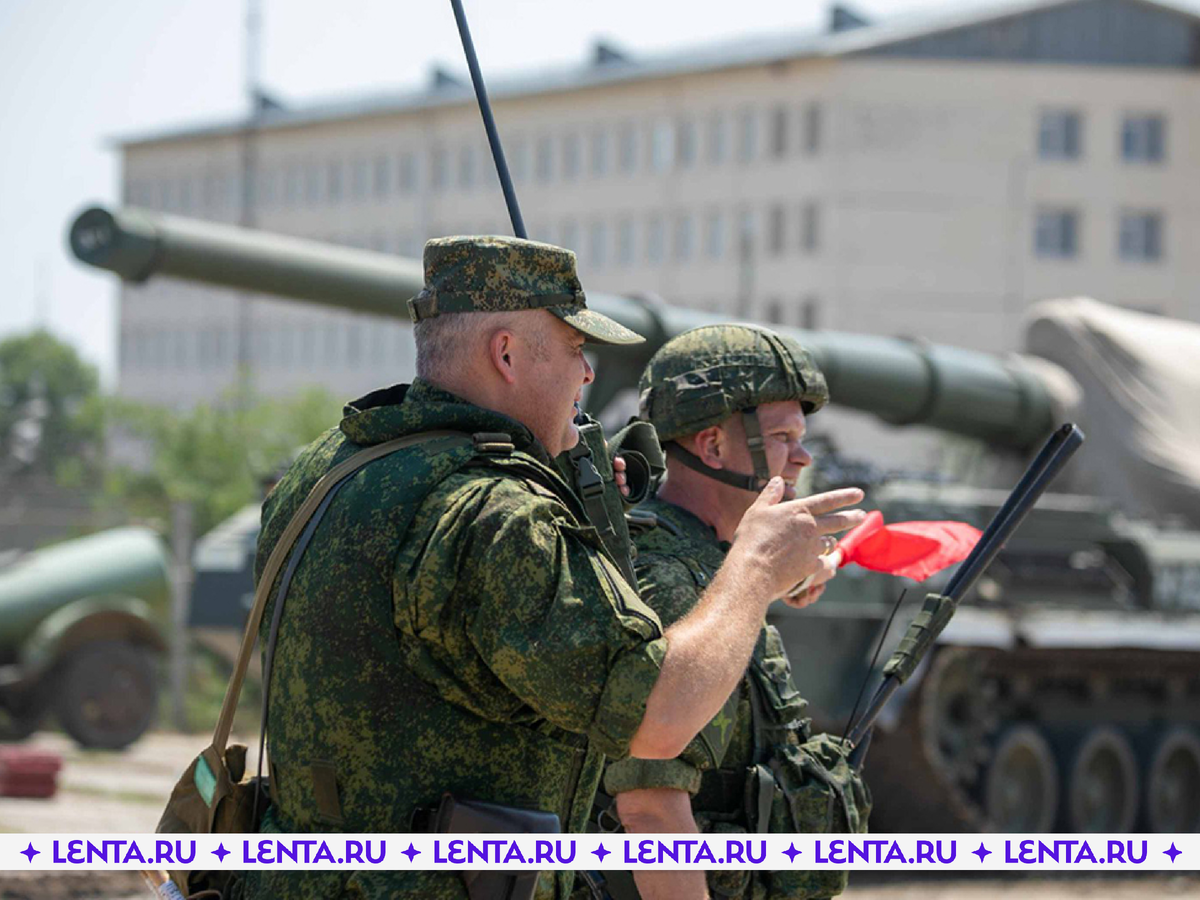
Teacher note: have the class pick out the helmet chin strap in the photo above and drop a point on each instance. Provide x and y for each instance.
(758, 455)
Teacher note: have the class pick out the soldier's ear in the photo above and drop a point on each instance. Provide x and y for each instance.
(710, 445)
(500, 348)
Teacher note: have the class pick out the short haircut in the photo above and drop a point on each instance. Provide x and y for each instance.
(442, 339)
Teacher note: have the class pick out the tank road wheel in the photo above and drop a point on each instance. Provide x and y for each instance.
(1173, 784)
(958, 714)
(1102, 790)
(107, 694)
(1020, 789)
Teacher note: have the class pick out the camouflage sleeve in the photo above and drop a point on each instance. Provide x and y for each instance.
(517, 610)
(668, 586)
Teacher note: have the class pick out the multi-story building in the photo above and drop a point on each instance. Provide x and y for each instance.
(929, 178)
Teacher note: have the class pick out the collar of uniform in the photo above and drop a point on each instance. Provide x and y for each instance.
(688, 524)
(410, 408)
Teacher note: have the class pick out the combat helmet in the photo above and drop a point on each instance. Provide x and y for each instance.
(708, 374)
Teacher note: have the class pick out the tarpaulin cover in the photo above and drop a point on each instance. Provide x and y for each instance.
(1140, 406)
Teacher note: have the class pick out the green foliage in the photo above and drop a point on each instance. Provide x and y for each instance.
(214, 456)
(51, 413)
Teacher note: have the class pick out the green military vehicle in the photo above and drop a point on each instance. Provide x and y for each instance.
(1066, 692)
(79, 636)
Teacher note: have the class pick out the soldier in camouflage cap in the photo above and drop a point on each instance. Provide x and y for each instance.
(495, 274)
(726, 399)
(456, 625)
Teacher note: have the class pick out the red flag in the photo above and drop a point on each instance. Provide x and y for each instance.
(912, 549)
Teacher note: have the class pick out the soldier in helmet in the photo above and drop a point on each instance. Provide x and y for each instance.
(455, 627)
(730, 404)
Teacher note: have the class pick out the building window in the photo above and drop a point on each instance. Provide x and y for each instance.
(333, 182)
(439, 162)
(570, 156)
(360, 179)
(292, 185)
(779, 132)
(1056, 234)
(812, 128)
(684, 237)
(1140, 237)
(718, 139)
(543, 163)
(625, 242)
(747, 136)
(519, 161)
(381, 180)
(662, 147)
(1060, 134)
(774, 311)
(568, 235)
(685, 143)
(354, 344)
(776, 228)
(598, 164)
(810, 227)
(714, 234)
(655, 240)
(466, 167)
(1143, 138)
(627, 148)
(407, 174)
(810, 309)
(598, 245)
(312, 184)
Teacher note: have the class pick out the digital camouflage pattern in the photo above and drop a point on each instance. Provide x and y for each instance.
(676, 561)
(703, 376)
(454, 626)
(501, 274)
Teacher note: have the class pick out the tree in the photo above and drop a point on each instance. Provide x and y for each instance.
(214, 456)
(51, 414)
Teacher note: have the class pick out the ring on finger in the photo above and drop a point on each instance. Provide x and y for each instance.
(828, 544)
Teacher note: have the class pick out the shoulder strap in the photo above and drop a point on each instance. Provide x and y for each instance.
(328, 482)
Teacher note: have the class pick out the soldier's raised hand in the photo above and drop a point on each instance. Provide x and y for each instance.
(783, 538)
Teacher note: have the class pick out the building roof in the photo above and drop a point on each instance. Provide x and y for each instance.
(612, 67)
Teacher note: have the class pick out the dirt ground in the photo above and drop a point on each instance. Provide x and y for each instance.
(124, 792)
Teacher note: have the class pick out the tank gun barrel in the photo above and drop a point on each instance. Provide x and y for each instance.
(903, 382)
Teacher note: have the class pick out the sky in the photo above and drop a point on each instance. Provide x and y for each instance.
(76, 74)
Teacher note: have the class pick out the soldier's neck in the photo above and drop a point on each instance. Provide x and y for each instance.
(709, 501)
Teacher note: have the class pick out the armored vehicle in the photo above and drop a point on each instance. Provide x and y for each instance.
(79, 636)
(1066, 692)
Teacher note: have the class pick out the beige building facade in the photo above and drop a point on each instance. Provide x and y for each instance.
(928, 181)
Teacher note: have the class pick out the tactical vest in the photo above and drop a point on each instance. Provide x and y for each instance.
(792, 782)
(343, 755)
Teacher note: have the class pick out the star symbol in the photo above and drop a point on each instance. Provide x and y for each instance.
(983, 852)
(1173, 852)
(220, 853)
(29, 853)
(600, 853)
(412, 852)
(792, 852)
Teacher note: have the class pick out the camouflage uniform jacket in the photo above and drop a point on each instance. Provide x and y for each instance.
(676, 561)
(453, 626)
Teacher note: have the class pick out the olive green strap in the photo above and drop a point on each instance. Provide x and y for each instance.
(926, 626)
(590, 488)
(280, 553)
(725, 476)
(754, 440)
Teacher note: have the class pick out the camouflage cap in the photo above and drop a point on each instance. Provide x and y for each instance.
(703, 376)
(496, 274)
